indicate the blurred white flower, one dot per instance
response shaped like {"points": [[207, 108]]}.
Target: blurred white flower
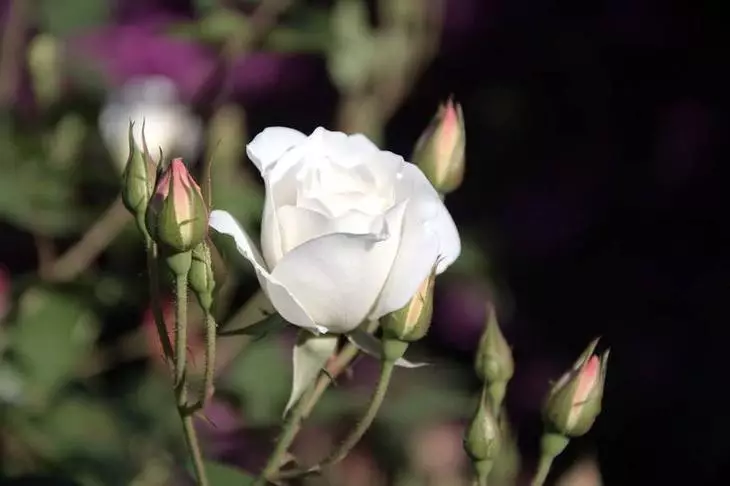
{"points": [[168, 124], [349, 232]]}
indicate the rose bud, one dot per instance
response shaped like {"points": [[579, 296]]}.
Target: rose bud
{"points": [[411, 322], [494, 364], [177, 217], [439, 151], [136, 185], [574, 401], [482, 439]]}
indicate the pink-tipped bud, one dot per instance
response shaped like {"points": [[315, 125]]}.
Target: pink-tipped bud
{"points": [[439, 151], [177, 217], [574, 402]]}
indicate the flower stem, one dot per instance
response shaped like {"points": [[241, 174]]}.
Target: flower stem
{"points": [[181, 328], [482, 469], [289, 432], [306, 404], [210, 334], [362, 426], [386, 373], [181, 316], [155, 300], [551, 445]]}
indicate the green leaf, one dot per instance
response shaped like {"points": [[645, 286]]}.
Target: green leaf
{"points": [[68, 16], [53, 334], [223, 475], [272, 323]]}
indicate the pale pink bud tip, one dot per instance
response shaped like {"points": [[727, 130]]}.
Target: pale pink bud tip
{"points": [[587, 379]]}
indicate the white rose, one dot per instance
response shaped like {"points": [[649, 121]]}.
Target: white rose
{"points": [[349, 231], [168, 124]]}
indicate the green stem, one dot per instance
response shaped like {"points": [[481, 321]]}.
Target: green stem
{"points": [[482, 468], [181, 328], [289, 432], [386, 373], [496, 392], [210, 334], [155, 302], [181, 316], [191, 439], [551, 445]]}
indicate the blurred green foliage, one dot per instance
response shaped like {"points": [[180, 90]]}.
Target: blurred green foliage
{"points": [[80, 394]]}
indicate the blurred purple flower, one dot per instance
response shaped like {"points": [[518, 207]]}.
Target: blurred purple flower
{"points": [[126, 52]]}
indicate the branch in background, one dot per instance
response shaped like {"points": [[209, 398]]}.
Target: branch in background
{"points": [[81, 255], [11, 50]]}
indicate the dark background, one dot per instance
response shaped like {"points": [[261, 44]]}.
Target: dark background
{"points": [[592, 132]]}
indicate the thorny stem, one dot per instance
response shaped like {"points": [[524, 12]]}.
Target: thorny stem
{"points": [[181, 330], [191, 438], [362, 426], [289, 432], [155, 300], [306, 404], [210, 334]]}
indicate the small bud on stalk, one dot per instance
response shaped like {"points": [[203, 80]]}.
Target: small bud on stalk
{"points": [[136, 183], [412, 322], [439, 151], [494, 364], [482, 439], [571, 407], [177, 217], [574, 401]]}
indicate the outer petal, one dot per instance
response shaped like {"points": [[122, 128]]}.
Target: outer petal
{"points": [[418, 251], [268, 146], [338, 277], [428, 208], [429, 236], [283, 301]]}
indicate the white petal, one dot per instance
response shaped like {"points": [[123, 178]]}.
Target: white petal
{"points": [[338, 277], [429, 237], [372, 346], [268, 146], [310, 356], [345, 150], [299, 225], [417, 254], [283, 301], [429, 209], [271, 244]]}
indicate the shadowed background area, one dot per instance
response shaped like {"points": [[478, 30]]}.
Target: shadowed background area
{"points": [[589, 208]]}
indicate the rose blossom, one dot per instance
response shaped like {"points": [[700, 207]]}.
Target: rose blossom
{"points": [[349, 231]]}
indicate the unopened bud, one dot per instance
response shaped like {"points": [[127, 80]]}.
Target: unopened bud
{"points": [[411, 322], [439, 151], [482, 440], [200, 278], [494, 364], [177, 217], [136, 181], [574, 401]]}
